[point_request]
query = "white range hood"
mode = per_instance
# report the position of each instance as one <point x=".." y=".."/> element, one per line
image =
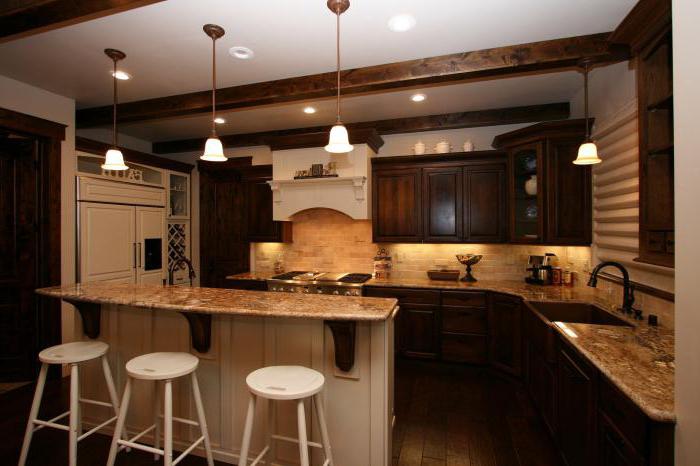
<point x="348" y="193"/>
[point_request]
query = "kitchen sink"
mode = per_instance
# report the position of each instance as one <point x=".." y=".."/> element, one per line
<point x="576" y="313"/>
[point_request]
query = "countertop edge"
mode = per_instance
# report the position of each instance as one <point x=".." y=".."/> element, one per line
<point x="338" y="316"/>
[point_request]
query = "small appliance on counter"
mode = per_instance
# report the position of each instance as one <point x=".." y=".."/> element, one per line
<point x="540" y="268"/>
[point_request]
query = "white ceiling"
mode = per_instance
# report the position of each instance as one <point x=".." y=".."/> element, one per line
<point x="524" y="90"/>
<point x="167" y="52"/>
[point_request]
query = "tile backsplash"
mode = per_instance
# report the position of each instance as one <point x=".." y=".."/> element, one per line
<point x="328" y="240"/>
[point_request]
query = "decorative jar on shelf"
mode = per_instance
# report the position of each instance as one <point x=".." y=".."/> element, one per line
<point x="468" y="145"/>
<point x="531" y="185"/>
<point x="443" y="147"/>
<point x="419" y="148"/>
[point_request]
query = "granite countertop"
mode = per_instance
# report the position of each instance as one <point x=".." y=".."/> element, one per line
<point x="639" y="359"/>
<point x="227" y="301"/>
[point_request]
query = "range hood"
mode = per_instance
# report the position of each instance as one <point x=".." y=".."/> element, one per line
<point x="348" y="193"/>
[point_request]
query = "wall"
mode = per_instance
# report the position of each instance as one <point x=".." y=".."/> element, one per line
<point x="613" y="104"/>
<point x="328" y="240"/>
<point x="686" y="16"/>
<point x="124" y="140"/>
<point x="23" y="98"/>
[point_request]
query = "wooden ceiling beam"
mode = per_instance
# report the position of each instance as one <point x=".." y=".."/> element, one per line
<point x="314" y="136"/>
<point x="482" y="64"/>
<point x="26" y="18"/>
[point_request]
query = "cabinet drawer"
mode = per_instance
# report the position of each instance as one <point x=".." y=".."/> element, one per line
<point x="464" y="298"/>
<point x="623" y="413"/>
<point x="405" y="295"/>
<point x="464" y="348"/>
<point x="468" y="320"/>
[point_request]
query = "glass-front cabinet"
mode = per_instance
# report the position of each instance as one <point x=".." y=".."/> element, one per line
<point x="526" y="194"/>
<point x="178" y="195"/>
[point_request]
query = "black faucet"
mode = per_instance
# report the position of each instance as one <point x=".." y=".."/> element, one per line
<point x="628" y="288"/>
<point x="175" y="264"/>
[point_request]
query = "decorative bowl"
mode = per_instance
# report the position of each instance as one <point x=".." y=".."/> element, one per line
<point x="469" y="260"/>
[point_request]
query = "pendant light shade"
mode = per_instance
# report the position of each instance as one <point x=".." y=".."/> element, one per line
<point x="114" y="159"/>
<point x="588" y="151"/>
<point x="587" y="154"/>
<point x="338" y="140"/>
<point x="213" y="149"/>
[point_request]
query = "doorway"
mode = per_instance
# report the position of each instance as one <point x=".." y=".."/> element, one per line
<point x="29" y="241"/>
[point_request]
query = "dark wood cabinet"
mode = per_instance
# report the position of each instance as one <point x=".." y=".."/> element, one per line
<point x="559" y="211"/>
<point x="613" y="449"/>
<point x="440" y="199"/>
<point x="260" y="226"/>
<point x="443" y="199"/>
<point x="647" y="30"/>
<point x="568" y="195"/>
<point x="576" y="410"/>
<point x="418" y="331"/>
<point x="505" y="338"/>
<point x="485" y="203"/>
<point x="397" y="207"/>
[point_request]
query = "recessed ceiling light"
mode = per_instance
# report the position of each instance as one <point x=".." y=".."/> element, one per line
<point x="418" y="97"/>
<point x="122" y="75"/>
<point x="401" y="23"/>
<point x="309" y="110"/>
<point x="219" y="121"/>
<point x="244" y="53"/>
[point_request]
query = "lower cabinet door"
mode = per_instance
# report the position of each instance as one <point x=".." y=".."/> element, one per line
<point x="505" y="338"/>
<point x="613" y="449"/>
<point x="576" y="410"/>
<point x="468" y="348"/>
<point x="418" y="331"/>
<point x="541" y="385"/>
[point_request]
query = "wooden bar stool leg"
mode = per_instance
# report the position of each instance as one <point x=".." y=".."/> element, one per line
<point x="321" y="417"/>
<point x="118" y="430"/>
<point x="33" y="413"/>
<point x="202" y="419"/>
<point x="271" y="429"/>
<point x="303" y="444"/>
<point x="74" y="415"/>
<point x="156" y="418"/>
<point x="168" y="423"/>
<point x="247" y="432"/>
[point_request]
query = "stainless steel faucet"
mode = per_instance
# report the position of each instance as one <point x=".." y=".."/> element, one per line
<point x="175" y="264"/>
<point x="628" y="288"/>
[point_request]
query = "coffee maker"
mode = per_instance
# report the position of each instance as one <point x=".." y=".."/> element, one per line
<point x="540" y="268"/>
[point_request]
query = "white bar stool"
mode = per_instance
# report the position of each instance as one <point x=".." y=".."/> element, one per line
<point x="73" y="354"/>
<point x="286" y="383"/>
<point x="161" y="367"/>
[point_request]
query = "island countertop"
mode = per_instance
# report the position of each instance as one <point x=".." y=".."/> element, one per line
<point x="227" y="301"/>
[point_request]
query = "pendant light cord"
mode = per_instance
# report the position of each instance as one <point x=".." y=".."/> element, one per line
<point x="337" y="56"/>
<point x="213" y="87"/>
<point x="114" y="106"/>
<point x="585" y="93"/>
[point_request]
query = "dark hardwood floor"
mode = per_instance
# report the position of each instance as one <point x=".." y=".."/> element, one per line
<point x="446" y="415"/>
<point x="452" y="415"/>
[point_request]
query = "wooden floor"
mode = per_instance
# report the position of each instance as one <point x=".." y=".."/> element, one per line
<point x="451" y="415"/>
<point x="447" y="415"/>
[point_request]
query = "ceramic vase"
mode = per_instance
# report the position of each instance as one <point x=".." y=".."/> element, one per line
<point x="531" y="185"/>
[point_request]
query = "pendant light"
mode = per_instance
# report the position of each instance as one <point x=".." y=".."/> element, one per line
<point x="587" y="152"/>
<point x="338" y="141"/>
<point x="114" y="159"/>
<point x="213" y="149"/>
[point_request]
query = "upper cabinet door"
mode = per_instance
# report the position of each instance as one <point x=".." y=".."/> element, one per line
<point x="178" y="195"/>
<point x="261" y="227"/>
<point x="396" y="216"/>
<point x="485" y="203"/>
<point x="443" y="201"/>
<point x="526" y="200"/>
<point x="568" y="194"/>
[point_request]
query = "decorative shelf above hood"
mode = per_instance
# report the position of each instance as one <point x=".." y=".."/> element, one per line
<point x="346" y="194"/>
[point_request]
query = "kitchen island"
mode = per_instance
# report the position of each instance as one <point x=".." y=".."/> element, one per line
<point x="233" y="332"/>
